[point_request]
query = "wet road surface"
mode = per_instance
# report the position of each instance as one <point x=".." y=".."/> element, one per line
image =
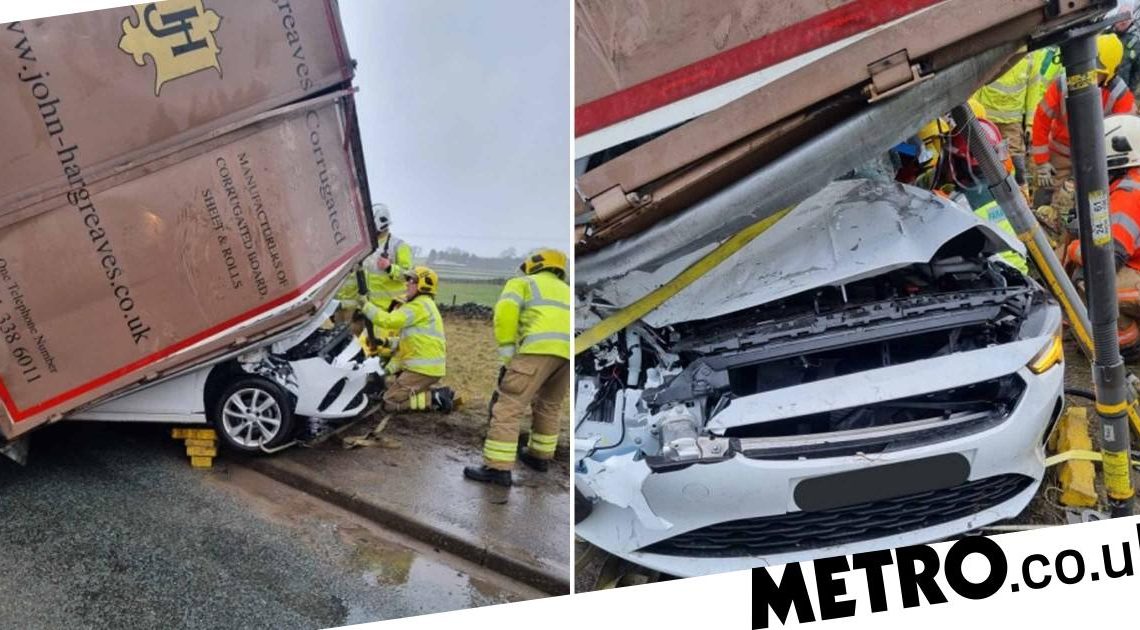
<point x="108" y="526"/>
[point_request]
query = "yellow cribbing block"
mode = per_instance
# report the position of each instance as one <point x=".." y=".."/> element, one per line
<point x="201" y="443"/>
<point x="202" y="462"/>
<point x="1078" y="476"/>
<point x="201" y="451"/>
<point x="183" y="433"/>
<point x="626" y="316"/>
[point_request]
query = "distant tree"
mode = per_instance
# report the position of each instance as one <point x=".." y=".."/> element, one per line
<point x="509" y="252"/>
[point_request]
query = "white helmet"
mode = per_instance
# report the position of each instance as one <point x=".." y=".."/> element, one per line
<point x="381" y="216"/>
<point x="1122" y="140"/>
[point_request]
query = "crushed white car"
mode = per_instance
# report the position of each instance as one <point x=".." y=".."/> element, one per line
<point x="865" y="374"/>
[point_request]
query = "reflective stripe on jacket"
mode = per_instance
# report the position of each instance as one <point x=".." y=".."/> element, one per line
<point x="1124" y="208"/>
<point x="1051" y="121"/>
<point x="423" y="346"/>
<point x="1046" y="66"/>
<point x="532" y="316"/>
<point x="383" y="287"/>
<point x="993" y="213"/>
<point x="1006" y="99"/>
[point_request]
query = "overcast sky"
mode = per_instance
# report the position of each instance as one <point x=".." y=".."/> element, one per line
<point x="465" y="116"/>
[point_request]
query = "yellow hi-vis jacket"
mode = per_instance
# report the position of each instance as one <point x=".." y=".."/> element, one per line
<point x="1007" y="98"/>
<point x="422" y="346"/>
<point x="1013" y="97"/>
<point x="1046" y="67"/>
<point x="532" y="316"/>
<point x="993" y="212"/>
<point x="383" y="287"/>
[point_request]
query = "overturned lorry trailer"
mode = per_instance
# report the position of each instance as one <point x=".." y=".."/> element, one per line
<point x="687" y="134"/>
<point x="730" y="415"/>
<point x="179" y="181"/>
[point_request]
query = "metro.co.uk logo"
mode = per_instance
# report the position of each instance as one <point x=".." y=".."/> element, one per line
<point x="972" y="568"/>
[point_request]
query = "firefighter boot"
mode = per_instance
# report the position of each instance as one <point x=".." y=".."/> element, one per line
<point x="541" y="465"/>
<point x="443" y="399"/>
<point x="488" y="475"/>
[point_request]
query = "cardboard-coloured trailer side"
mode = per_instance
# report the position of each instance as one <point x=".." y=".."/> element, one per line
<point x="115" y="87"/>
<point x="156" y="213"/>
<point x="110" y="286"/>
<point x="722" y="99"/>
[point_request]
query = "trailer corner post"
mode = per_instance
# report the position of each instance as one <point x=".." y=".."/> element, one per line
<point x="1086" y="131"/>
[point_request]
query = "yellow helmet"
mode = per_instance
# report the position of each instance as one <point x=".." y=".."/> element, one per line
<point x="426" y="280"/>
<point x="932" y="135"/>
<point x="1109" y="54"/>
<point x="544" y="260"/>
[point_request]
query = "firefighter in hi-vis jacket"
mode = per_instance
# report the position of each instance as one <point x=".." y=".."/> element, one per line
<point x="532" y="328"/>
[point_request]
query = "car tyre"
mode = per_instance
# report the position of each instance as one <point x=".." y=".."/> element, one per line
<point x="251" y="413"/>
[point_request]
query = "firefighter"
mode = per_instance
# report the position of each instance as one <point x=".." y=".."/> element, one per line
<point x="948" y="169"/>
<point x="1122" y="146"/>
<point x="963" y="172"/>
<point x="1125" y="28"/>
<point x="420" y="357"/>
<point x="1050" y="145"/>
<point x="384" y="268"/>
<point x="532" y="329"/>
<point x="1009" y="101"/>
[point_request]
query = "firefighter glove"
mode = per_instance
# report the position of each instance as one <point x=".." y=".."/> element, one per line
<point x="1045" y="174"/>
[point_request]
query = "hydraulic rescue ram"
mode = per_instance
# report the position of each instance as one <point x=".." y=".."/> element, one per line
<point x="1006" y="191"/>
<point x="1086" y="129"/>
<point x="1116" y="400"/>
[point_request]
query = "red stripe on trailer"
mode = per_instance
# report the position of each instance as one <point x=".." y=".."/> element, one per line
<point x="18" y="414"/>
<point x="797" y="39"/>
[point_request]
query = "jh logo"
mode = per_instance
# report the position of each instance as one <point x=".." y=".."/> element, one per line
<point x="178" y="35"/>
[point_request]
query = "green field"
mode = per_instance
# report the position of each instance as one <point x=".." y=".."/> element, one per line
<point x="463" y="291"/>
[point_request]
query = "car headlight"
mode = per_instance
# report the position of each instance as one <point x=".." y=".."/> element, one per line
<point x="1052" y="354"/>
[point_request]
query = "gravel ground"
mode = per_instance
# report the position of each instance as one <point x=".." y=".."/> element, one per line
<point x="108" y="526"/>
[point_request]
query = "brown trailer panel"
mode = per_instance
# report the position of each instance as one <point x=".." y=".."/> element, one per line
<point x="632" y="56"/>
<point x="110" y="285"/>
<point x="115" y="87"/>
<point x="663" y="176"/>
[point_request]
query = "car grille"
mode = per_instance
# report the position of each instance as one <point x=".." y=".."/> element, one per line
<point x="799" y="531"/>
<point x="991" y="401"/>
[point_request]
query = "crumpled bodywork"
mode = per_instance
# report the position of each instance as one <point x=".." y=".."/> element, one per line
<point x="867" y="373"/>
<point x="847" y="231"/>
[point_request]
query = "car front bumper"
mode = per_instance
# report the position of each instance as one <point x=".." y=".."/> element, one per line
<point x="744" y="489"/>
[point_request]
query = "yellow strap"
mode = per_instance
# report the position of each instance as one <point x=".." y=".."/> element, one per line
<point x="1078" y="455"/>
<point x="642" y="307"/>
<point x="1073" y="455"/>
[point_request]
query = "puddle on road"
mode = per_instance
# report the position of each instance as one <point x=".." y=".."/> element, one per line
<point x="391" y="577"/>
<point x="397" y="567"/>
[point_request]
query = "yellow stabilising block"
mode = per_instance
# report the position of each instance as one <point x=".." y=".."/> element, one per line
<point x="201" y="451"/>
<point x="182" y="433"/>
<point x="1078" y="476"/>
<point x="202" y="462"/>
<point x="201" y="443"/>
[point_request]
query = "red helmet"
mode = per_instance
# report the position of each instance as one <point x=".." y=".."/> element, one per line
<point x="959" y="146"/>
